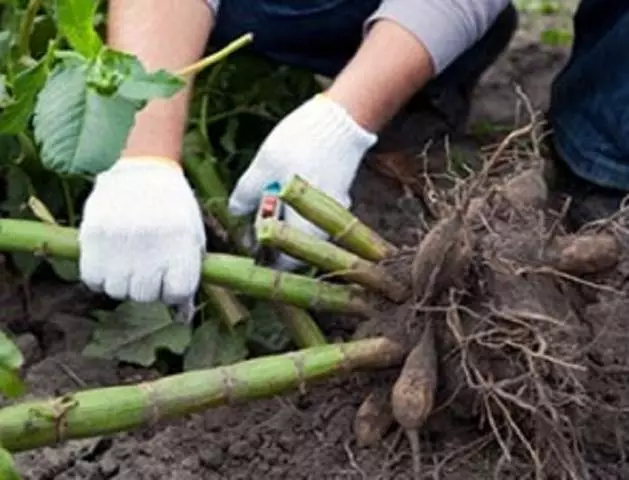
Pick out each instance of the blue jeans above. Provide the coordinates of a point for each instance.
(590, 97)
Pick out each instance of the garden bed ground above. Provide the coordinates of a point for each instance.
(307, 434)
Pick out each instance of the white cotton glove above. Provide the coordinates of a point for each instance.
(318, 141)
(142, 236)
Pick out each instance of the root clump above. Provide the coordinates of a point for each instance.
(516, 308)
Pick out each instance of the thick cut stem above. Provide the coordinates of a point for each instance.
(329, 257)
(301, 327)
(229, 271)
(109, 410)
(331, 216)
(243, 275)
(229, 308)
(214, 196)
(207, 182)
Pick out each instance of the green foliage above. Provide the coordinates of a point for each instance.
(67, 104)
(267, 333)
(75, 20)
(542, 7)
(11, 360)
(133, 332)
(214, 344)
(8, 471)
(556, 37)
(82, 102)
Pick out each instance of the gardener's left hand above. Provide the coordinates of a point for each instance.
(318, 141)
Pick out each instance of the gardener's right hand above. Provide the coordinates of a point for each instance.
(142, 235)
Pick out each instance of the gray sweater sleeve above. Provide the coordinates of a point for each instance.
(213, 4)
(446, 28)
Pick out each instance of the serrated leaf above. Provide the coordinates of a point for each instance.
(79, 130)
(8, 470)
(213, 345)
(266, 328)
(134, 331)
(75, 20)
(11, 361)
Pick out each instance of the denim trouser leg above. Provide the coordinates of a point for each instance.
(322, 35)
(590, 97)
(318, 35)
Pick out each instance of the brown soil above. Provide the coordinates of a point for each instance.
(310, 434)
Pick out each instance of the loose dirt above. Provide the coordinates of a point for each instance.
(310, 435)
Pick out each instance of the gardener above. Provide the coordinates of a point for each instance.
(142, 234)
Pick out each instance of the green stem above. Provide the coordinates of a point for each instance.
(229, 271)
(8, 470)
(241, 274)
(329, 257)
(302, 328)
(67, 196)
(23, 45)
(223, 53)
(229, 308)
(206, 180)
(209, 187)
(104, 411)
(331, 216)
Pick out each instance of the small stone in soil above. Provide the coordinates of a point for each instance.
(211, 456)
(240, 449)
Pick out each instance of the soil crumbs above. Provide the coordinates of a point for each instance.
(310, 435)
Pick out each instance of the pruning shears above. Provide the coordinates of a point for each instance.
(271, 206)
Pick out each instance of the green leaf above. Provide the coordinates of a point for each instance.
(11, 361)
(8, 470)
(134, 331)
(228, 139)
(5, 43)
(5, 99)
(556, 37)
(19, 188)
(26, 262)
(146, 86)
(75, 19)
(65, 269)
(9, 149)
(267, 331)
(15, 116)
(213, 345)
(118, 72)
(79, 130)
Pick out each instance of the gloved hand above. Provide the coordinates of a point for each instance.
(142, 235)
(318, 141)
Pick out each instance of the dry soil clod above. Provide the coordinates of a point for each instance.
(374, 417)
(587, 253)
(527, 189)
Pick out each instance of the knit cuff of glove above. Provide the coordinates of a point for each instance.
(146, 160)
(345, 139)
